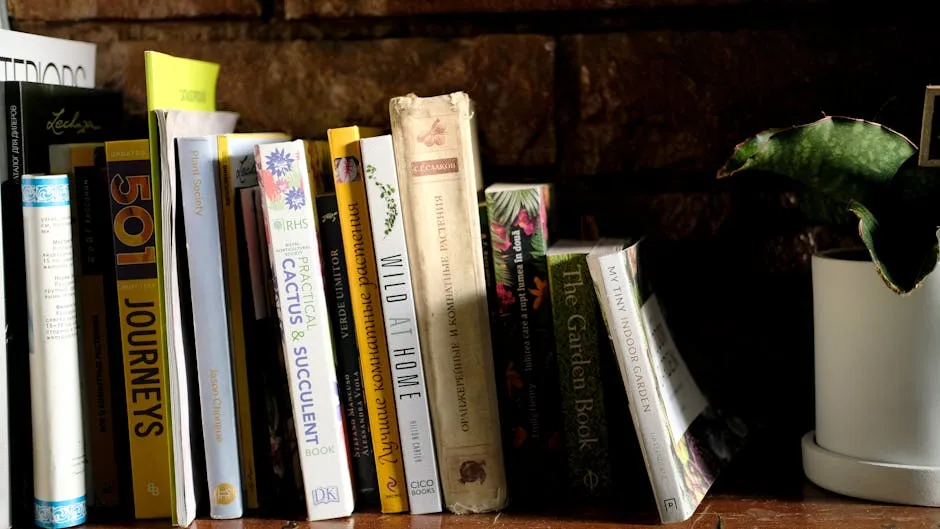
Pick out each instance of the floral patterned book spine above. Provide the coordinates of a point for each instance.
(581, 341)
(524, 343)
(291, 227)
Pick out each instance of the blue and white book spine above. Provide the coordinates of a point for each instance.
(198, 181)
(291, 224)
(401, 327)
(55, 384)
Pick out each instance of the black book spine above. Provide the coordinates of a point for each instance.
(344, 337)
(99, 195)
(14, 264)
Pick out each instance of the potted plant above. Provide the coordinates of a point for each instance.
(876, 309)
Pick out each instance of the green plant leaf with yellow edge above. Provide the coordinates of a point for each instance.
(872, 171)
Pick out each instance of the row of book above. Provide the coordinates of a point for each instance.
(260, 324)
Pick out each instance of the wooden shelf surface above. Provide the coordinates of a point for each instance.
(817, 510)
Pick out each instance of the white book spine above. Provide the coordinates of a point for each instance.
(213, 358)
(615, 290)
(58, 443)
(290, 221)
(401, 328)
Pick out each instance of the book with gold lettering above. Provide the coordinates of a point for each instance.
(583, 351)
(145, 376)
(37, 116)
(349, 181)
(294, 252)
(440, 186)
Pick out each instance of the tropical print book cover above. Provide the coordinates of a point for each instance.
(524, 344)
(290, 223)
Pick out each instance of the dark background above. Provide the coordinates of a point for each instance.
(628, 106)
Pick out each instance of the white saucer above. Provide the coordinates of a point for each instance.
(870, 480)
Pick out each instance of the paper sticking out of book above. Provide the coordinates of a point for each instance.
(172, 124)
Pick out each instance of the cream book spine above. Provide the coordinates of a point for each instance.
(58, 439)
(439, 177)
(401, 327)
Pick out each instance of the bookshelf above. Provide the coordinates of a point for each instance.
(549, 79)
(763, 489)
(816, 509)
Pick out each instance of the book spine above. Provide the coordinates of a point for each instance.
(7, 496)
(58, 439)
(491, 300)
(236, 323)
(17, 339)
(344, 335)
(615, 290)
(91, 228)
(405, 354)
(574, 307)
(213, 361)
(367, 313)
(524, 339)
(275, 456)
(438, 163)
(290, 450)
(142, 334)
(308, 348)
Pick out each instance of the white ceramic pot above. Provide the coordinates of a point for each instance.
(877, 365)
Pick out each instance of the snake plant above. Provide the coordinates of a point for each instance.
(867, 169)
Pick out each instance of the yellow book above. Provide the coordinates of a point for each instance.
(173, 83)
(142, 336)
(236, 171)
(349, 181)
(319, 168)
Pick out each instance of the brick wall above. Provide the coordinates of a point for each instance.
(629, 106)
